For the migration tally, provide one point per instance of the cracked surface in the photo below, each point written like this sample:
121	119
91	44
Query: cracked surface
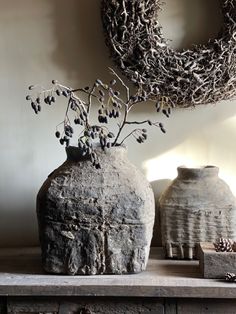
96	221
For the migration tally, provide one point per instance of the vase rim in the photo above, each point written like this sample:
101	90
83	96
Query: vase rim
197	172
198	168
74	153
98	146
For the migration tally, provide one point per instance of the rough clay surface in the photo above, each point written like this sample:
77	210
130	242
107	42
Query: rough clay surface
197	207
95	221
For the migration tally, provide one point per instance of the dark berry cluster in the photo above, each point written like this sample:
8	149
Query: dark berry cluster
111	106
165	106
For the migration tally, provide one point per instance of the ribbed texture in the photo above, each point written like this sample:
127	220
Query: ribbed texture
196	210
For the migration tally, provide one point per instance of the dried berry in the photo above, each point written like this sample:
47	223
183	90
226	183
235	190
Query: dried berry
110	135
64	93
57	134
110	107
101	92
113	82
98	82
58	92
33	105
164	111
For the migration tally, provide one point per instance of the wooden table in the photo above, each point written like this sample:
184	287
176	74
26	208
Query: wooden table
167	286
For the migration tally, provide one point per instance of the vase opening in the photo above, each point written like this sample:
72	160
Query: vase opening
74	153
186	173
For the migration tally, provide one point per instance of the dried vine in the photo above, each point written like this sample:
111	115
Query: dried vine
109	105
205	74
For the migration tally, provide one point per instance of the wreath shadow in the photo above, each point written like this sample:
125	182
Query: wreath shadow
80	48
203	24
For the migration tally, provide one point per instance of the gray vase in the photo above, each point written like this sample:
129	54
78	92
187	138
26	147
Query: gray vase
197	207
95	221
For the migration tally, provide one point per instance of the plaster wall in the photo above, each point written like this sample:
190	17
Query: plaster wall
46	39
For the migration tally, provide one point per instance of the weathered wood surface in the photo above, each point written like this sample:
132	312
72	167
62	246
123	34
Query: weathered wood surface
109	305
81	305
206	307
21	275
3	305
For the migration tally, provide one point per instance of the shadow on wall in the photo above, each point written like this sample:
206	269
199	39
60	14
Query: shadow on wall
80	48
190	22
20	226
204	24
158	186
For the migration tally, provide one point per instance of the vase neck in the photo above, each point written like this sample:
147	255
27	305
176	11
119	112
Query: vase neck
185	173
75	153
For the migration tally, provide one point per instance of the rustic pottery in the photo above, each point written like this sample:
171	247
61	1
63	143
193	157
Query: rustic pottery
95	221
197	207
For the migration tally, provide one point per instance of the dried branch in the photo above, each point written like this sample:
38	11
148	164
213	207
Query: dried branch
111	106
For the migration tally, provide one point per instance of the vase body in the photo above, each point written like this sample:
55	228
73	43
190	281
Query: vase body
197	207
95	221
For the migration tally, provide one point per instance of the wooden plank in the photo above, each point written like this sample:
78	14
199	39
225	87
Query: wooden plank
113	305
3	305
22	305
85	305
21	275
206	306
170	306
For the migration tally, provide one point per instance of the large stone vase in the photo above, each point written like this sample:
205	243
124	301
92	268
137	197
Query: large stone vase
95	221
197	207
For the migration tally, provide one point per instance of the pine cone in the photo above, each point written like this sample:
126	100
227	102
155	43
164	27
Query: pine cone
231	277
223	245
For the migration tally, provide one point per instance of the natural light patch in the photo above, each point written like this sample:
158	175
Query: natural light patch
165	166
230	179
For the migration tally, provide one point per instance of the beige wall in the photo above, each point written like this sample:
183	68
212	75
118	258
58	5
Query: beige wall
45	39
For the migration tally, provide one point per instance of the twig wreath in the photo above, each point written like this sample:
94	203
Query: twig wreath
201	75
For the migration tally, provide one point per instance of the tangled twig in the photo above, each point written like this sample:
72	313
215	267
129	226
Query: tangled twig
204	74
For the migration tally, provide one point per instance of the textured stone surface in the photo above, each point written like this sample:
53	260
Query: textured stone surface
197	207
215	264
95	221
